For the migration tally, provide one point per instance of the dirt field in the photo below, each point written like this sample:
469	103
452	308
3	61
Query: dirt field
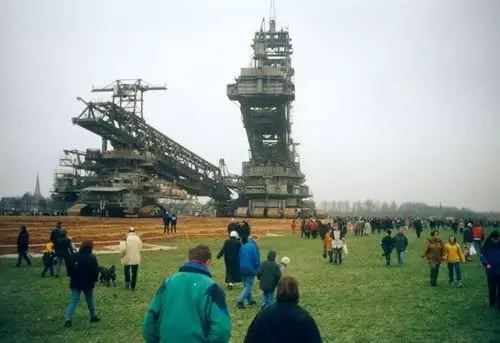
111	230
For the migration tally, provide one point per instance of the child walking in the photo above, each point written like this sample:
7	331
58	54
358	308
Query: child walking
387	247
48	259
269	274
454	255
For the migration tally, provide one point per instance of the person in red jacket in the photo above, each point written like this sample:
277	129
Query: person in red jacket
477	236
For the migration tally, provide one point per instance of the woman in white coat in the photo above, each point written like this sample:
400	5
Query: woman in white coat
338	241
130	251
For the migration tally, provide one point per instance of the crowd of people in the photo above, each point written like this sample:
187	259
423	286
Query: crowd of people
190	306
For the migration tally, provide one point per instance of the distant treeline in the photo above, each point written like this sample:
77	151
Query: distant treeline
385	208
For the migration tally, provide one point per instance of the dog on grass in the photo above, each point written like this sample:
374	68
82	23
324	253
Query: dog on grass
107	276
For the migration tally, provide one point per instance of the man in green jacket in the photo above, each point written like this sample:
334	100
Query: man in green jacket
189	306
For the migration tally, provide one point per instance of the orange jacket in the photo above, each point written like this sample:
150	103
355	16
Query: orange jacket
327	242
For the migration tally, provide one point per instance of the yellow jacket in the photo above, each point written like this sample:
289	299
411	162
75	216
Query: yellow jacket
49	248
453	253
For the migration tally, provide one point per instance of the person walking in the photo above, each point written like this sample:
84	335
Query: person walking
131	258
338	241
189	306
231	252
400	243
387	245
269	274
417	224
477	236
285	320
454	255
249	264
23	243
433	252
83	272
166	223
173	223
468	241
64	252
48	259
490	258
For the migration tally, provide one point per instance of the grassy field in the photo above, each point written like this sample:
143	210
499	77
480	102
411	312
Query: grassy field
360	301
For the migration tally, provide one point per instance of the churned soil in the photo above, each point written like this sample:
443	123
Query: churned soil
109	231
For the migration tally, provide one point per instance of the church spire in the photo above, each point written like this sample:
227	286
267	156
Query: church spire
38	193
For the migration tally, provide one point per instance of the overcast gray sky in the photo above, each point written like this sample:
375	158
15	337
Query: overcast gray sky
396	100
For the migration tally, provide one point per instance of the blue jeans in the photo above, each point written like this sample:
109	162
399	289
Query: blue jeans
246	294
75	297
401	257
454	268
267	298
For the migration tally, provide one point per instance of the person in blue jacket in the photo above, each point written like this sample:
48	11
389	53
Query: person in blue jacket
249	265
490	258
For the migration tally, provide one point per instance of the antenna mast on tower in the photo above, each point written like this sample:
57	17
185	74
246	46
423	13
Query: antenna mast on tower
272	16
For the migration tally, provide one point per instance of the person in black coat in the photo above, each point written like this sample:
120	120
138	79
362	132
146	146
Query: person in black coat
284	321
23	242
84	273
231	252
64	252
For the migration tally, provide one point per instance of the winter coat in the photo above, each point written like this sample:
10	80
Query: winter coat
327	243
477	233
283	322
387	244
249	259
368	228
23	241
269	273
188	307
433	250
453	253
400	242
231	252
63	246
84	271
337	239
55	234
490	254
131	250
468	236
48	255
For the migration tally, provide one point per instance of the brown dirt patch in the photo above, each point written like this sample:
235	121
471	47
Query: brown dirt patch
109	231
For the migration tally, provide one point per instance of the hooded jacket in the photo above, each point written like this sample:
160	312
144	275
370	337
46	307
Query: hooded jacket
188	307
269	273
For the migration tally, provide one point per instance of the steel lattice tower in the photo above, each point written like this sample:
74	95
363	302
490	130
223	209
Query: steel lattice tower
273	182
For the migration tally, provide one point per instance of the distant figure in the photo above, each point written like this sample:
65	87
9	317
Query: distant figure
131	258
454	256
189	306
173	223
56	233
387	246
231	252
166	223
401	243
84	272
434	252
23	242
284	262
64	252
48	259
284	321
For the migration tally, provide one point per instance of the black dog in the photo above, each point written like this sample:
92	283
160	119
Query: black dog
108	276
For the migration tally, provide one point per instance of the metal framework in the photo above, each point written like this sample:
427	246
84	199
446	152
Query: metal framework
272	178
